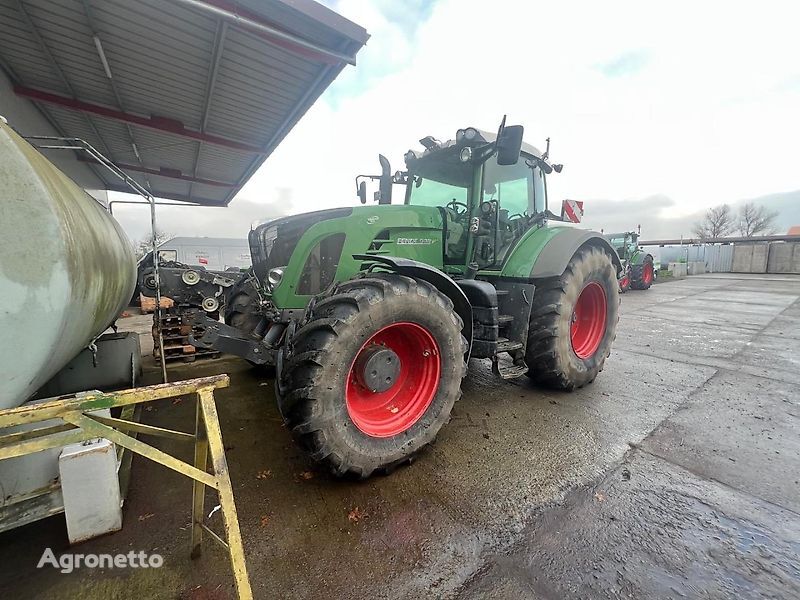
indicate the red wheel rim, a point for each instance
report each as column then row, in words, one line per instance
column 393, row 411
column 624, row 282
column 647, row 276
column 588, row 320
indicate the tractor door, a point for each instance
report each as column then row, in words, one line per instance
column 511, row 196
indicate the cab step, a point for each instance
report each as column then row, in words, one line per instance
column 506, row 345
column 503, row 320
column 509, row 371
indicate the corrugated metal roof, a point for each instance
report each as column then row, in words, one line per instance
column 201, row 91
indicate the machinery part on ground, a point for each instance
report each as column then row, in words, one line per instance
column 625, row 280
column 573, row 322
column 190, row 286
column 68, row 269
column 642, row 275
column 210, row 304
column 373, row 373
column 190, row 277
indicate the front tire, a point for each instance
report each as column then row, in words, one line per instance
column 372, row 375
column 573, row 322
column 625, row 281
column 243, row 307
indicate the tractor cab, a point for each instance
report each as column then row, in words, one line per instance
column 489, row 193
column 495, row 198
column 626, row 244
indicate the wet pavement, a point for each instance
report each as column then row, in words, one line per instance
column 675, row 475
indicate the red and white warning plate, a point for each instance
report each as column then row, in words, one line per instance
column 572, row 210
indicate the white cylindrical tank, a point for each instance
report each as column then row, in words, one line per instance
column 66, row 269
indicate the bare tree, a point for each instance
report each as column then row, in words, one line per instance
column 755, row 220
column 718, row 222
column 145, row 245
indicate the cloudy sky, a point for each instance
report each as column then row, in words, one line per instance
column 657, row 110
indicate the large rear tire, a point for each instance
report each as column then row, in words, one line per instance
column 573, row 322
column 642, row 275
column 372, row 375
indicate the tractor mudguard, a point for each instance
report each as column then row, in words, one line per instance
column 550, row 249
column 441, row 281
column 640, row 257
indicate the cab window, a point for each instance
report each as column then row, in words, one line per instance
column 429, row 192
column 518, row 188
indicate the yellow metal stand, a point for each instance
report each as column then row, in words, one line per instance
column 79, row 425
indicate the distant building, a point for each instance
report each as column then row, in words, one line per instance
column 215, row 254
column 794, row 230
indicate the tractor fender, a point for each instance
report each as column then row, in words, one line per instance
column 556, row 254
column 441, row 281
column 640, row 257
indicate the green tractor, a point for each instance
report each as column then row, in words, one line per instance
column 638, row 270
column 370, row 314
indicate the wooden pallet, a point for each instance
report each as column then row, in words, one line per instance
column 175, row 335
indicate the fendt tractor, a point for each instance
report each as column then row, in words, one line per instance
column 370, row 314
column 638, row 271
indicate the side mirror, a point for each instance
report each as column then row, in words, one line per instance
column 362, row 192
column 509, row 145
column 385, row 182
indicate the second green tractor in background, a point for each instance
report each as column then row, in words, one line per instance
column 638, row 268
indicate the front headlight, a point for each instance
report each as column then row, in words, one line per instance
column 466, row 154
column 274, row 276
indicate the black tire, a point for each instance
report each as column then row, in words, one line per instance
column 639, row 279
column 243, row 311
column 242, row 307
column 625, row 281
column 315, row 364
column 551, row 359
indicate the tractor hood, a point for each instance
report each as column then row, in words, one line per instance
column 272, row 243
column 313, row 247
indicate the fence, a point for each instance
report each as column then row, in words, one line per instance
column 740, row 257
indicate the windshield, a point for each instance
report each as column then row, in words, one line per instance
column 518, row 189
column 440, row 180
column 444, row 182
column 429, row 192
column 623, row 243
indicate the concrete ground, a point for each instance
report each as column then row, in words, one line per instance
column 675, row 475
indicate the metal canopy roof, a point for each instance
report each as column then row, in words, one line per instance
column 189, row 97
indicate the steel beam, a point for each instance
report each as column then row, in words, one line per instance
column 211, row 82
column 163, row 124
column 257, row 25
column 195, row 201
column 166, row 172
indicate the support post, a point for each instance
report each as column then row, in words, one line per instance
column 198, row 489
column 225, row 489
